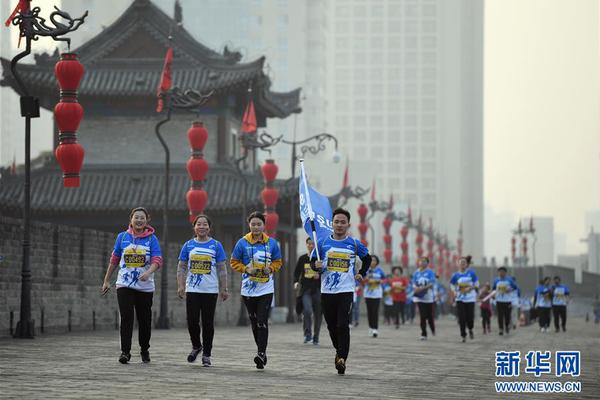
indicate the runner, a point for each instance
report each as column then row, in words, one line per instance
column 257, row 257
column 485, row 308
column 399, row 286
column 137, row 254
column 201, row 276
column 423, row 281
column 309, row 283
column 388, row 301
column 560, row 299
column 338, row 254
column 543, row 303
column 373, row 294
column 465, row 285
column 502, row 289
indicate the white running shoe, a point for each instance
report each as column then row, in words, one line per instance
column 375, row 333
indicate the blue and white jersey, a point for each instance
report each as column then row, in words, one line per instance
column 420, row 279
column 387, row 294
column 559, row 295
column 258, row 255
column 373, row 287
column 504, row 288
column 543, row 297
column 464, row 285
column 202, row 259
column 409, row 294
column 135, row 255
column 339, row 263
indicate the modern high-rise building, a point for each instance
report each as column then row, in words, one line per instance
column 405, row 92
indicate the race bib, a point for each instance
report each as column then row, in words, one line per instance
column 397, row 287
column 338, row 262
column 502, row 288
column 134, row 257
column 200, row 264
column 308, row 272
column 373, row 283
column 259, row 275
column 464, row 287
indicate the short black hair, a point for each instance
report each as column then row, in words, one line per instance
column 467, row 259
column 376, row 257
column 557, row 277
column 202, row 216
column 425, row 258
column 342, row 211
column 142, row 209
column 256, row 214
column 309, row 238
column 502, row 269
column 397, row 268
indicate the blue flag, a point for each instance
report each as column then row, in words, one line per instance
column 314, row 204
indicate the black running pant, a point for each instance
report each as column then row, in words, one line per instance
column 485, row 318
column 504, row 309
column 373, row 312
column 426, row 316
column 258, row 313
column 544, row 316
column 130, row 300
column 398, row 311
column 560, row 312
column 466, row 316
column 336, row 310
column 205, row 304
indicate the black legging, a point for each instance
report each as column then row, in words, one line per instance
column 373, row 312
column 258, row 313
column 560, row 312
column 204, row 303
column 336, row 310
column 504, row 309
column 398, row 311
column 130, row 299
column 466, row 316
column 544, row 316
column 486, row 314
column 426, row 315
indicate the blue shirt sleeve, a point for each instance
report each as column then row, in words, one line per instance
column 118, row 250
column 275, row 250
column 361, row 250
column 494, row 285
column 567, row 292
column 238, row 251
column 453, row 279
column 220, row 255
column 154, row 247
column 474, row 277
column 184, row 254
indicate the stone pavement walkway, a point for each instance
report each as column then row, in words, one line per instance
column 394, row 366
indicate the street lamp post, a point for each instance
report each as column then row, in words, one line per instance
column 174, row 99
column 31, row 27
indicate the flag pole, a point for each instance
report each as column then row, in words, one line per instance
column 311, row 214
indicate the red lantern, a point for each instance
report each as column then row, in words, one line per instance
column 271, row 222
column 387, row 254
column 197, row 135
column 70, row 158
column 419, row 252
column 363, row 228
column 387, row 223
column 269, row 196
column 404, row 231
column 197, row 168
column 68, row 71
column 404, row 247
column 387, row 239
column 362, row 211
column 196, row 201
column 68, row 114
column 419, row 238
column 430, row 244
column 269, row 170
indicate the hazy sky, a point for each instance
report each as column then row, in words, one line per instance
column 542, row 121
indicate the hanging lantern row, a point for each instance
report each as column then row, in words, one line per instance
column 404, row 246
column 363, row 227
column 197, row 167
column 387, row 240
column 419, row 239
column 68, row 114
column 269, row 196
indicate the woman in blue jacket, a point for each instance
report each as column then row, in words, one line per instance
column 465, row 285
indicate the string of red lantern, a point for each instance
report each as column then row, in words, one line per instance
column 197, row 167
column 387, row 240
column 419, row 239
column 269, row 196
column 363, row 227
column 68, row 114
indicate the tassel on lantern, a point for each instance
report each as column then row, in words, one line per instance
column 197, row 167
column 68, row 114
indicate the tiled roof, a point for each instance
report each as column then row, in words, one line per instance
column 118, row 187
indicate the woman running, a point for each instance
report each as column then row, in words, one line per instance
column 257, row 257
column 485, row 308
column 137, row 255
column 465, row 285
column 423, row 280
column 399, row 286
column 502, row 290
column 201, row 276
column 543, row 303
column 373, row 294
